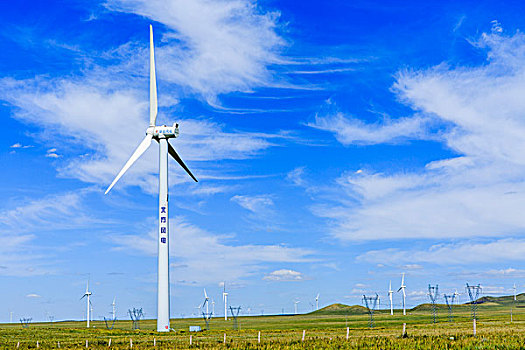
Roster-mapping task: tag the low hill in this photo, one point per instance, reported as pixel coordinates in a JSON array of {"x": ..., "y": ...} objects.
[
  {"x": 341, "y": 309},
  {"x": 503, "y": 300}
]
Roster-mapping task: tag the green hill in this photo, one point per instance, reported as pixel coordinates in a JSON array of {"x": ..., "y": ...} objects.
[{"x": 341, "y": 309}]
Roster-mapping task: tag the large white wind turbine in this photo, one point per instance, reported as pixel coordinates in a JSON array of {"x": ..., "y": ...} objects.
[
  {"x": 390, "y": 293},
  {"x": 86, "y": 295},
  {"x": 404, "y": 292},
  {"x": 317, "y": 302},
  {"x": 161, "y": 134}
]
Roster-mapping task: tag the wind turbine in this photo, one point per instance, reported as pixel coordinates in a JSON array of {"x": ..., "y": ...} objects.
[
  {"x": 514, "y": 291},
  {"x": 225, "y": 300},
  {"x": 161, "y": 134},
  {"x": 390, "y": 293},
  {"x": 317, "y": 302},
  {"x": 456, "y": 296},
  {"x": 206, "y": 302},
  {"x": 113, "y": 307},
  {"x": 295, "y": 305},
  {"x": 404, "y": 293},
  {"x": 213, "y": 307},
  {"x": 87, "y": 294}
]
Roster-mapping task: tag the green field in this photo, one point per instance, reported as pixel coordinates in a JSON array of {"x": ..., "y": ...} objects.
[{"x": 325, "y": 329}]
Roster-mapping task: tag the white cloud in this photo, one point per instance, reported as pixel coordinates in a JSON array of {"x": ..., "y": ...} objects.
[
  {"x": 254, "y": 204},
  {"x": 284, "y": 275},
  {"x": 451, "y": 254},
  {"x": 213, "y": 47},
  {"x": 350, "y": 130},
  {"x": 223, "y": 261},
  {"x": 479, "y": 111},
  {"x": 19, "y": 145},
  {"x": 296, "y": 176},
  {"x": 32, "y": 219},
  {"x": 33, "y": 296},
  {"x": 63, "y": 211}
]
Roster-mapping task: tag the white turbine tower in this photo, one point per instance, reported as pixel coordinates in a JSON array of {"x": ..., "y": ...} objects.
[
  {"x": 225, "y": 300},
  {"x": 404, "y": 293},
  {"x": 87, "y": 294},
  {"x": 514, "y": 291},
  {"x": 161, "y": 134},
  {"x": 317, "y": 302},
  {"x": 390, "y": 294}
]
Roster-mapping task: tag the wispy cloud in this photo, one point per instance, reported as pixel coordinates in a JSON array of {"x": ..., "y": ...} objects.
[
  {"x": 19, "y": 145},
  {"x": 284, "y": 275},
  {"x": 478, "y": 192},
  {"x": 223, "y": 260},
  {"x": 451, "y": 254},
  {"x": 352, "y": 131},
  {"x": 255, "y": 204},
  {"x": 213, "y": 47},
  {"x": 33, "y": 296}
]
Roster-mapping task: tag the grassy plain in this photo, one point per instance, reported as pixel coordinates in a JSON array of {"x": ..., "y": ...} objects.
[{"x": 325, "y": 329}]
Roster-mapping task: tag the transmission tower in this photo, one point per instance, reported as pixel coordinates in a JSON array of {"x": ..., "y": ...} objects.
[
  {"x": 110, "y": 323},
  {"x": 449, "y": 299},
  {"x": 235, "y": 313},
  {"x": 25, "y": 322},
  {"x": 433, "y": 295},
  {"x": 371, "y": 305},
  {"x": 207, "y": 318},
  {"x": 136, "y": 315},
  {"x": 473, "y": 293}
]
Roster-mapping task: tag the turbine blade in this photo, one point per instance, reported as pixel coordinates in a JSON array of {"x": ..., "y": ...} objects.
[
  {"x": 136, "y": 155},
  {"x": 175, "y": 156},
  {"x": 152, "y": 81}
]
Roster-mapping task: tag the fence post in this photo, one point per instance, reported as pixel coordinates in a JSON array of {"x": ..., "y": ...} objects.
[
  {"x": 191, "y": 339},
  {"x": 224, "y": 340},
  {"x": 87, "y": 344},
  {"x": 304, "y": 333},
  {"x": 130, "y": 343},
  {"x": 154, "y": 342},
  {"x": 259, "y": 337},
  {"x": 58, "y": 344},
  {"x": 347, "y": 332},
  {"x": 404, "y": 329},
  {"x": 37, "y": 344},
  {"x": 17, "y": 345},
  {"x": 109, "y": 344},
  {"x": 474, "y": 326}
]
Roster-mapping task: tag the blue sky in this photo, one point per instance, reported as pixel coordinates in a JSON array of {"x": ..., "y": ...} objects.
[{"x": 337, "y": 145}]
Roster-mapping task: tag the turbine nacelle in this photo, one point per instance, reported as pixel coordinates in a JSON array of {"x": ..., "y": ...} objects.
[{"x": 163, "y": 132}]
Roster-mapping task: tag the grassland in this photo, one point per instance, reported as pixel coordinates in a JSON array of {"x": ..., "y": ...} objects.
[{"x": 324, "y": 329}]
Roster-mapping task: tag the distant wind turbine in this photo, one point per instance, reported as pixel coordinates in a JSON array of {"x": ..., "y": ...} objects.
[
  {"x": 317, "y": 302},
  {"x": 295, "y": 305},
  {"x": 87, "y": 294},
  {"x": 225, "y": 300},
  {"x": 390, "y": 294},
  {"x": 402, "y": 288}
]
